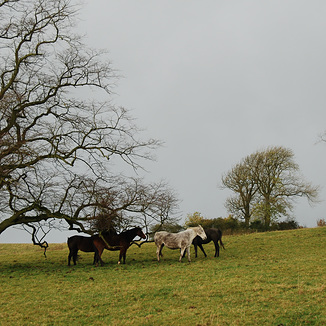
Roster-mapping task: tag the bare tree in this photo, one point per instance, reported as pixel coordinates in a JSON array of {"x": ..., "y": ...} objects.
[
  {"x": 133, "y": 202},
  {"x": 265, "y": 184},
  {"x": 241, "y": 181},
  {"x": 57, "y": 138},
  {"x": 279, "y": 183}
]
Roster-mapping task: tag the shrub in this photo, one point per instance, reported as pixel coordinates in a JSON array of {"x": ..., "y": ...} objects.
[
  {"x": 321, "y": 222},
  {"x": 288, "y": 225}
]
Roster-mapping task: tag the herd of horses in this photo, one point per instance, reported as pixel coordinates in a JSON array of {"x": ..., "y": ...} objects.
[{"x": 110, "y": 240}]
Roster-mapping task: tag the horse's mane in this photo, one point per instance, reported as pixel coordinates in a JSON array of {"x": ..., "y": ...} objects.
[
  {"x": 130, "y": 230},
  {"x": 114, "y": 232}
]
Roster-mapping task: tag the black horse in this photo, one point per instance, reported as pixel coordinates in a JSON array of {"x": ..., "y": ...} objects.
[
  {"x": 79, "y": 242},
  {"x": 114, "y": 241},
  {"x": 212, "y": 234},
  {"x": 105, "y": 240}
]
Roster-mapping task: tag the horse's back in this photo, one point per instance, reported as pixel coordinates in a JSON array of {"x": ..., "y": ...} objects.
[
  {"x": 79, "y": 242},
  {"x": 159, "y": 236},
  {"x": 166, "y": 235},
  {"x": 72, "y": 241},
  {"x": 174, "y": 240},
  {"x": 214, "y": 233}
]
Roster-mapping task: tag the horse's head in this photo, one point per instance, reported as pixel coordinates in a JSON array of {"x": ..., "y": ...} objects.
[
  {"x": 201, "y": 232},
  {"x": 140, "y": 233}
]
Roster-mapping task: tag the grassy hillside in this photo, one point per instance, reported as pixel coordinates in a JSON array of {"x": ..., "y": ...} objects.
[{"x": 260, "y": 279}]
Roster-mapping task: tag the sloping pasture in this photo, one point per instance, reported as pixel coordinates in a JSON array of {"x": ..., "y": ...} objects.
[{"x": 260, "y": 279}]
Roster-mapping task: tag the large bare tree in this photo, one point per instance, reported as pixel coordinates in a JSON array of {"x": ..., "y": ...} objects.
[
  {"x": 59, "y": 131},
  {"x": 265, "y": 185}
]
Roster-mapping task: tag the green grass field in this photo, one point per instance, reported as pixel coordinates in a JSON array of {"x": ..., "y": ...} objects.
[{"x": 260, "y": 279}]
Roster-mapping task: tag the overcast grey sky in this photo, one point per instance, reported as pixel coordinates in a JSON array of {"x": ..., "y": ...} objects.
[{"x": 216, "y": 81}]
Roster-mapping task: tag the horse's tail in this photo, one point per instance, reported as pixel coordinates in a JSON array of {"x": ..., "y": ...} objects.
[
  {"x": 73, "y": 248},
  {"x": 69, "y": 242},
  {"x": 220, "y": 238}
]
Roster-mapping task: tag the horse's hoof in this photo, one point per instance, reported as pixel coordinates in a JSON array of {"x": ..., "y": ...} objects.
[{"x": 119, "y": 263}]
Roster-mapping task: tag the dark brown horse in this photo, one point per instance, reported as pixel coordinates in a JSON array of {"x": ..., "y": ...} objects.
[
  {"x": 214, "y": 235},
  {"x": 112, "y": 241},
  {"x": 79, "y": 242}
]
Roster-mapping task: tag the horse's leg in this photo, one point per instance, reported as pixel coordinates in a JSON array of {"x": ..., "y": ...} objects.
[
  {"x": 195, "y": 246},
  {"x": 98, "y": 247},
  {"x": 95, "y": 261},
  {"x": 217, "y": 249},
  {"x": 202, "y": 249},
  {"x": 74, "y": 256},
  {"x": 159, "y": 251},
  {"x": 188, "y": 253},
  {"x": 98, "y": 255},
  {"x": 69, "y": 257},
  {"x": 162, "y": 245},
  {"x": 122, "y": 255},
  {"x": 182, "y": 251}
]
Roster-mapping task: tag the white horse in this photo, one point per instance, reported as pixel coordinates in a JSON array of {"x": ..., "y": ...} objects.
[{"x": 181, "y": 240}]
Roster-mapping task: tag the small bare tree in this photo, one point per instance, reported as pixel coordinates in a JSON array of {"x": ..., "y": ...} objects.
[
  {"x": 241, "y": 181},
  {"x": 133, "y": 202},
  {"x": 265, "y": 184}
]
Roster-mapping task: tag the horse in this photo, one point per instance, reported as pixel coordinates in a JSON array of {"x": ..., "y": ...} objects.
[
  {"x": 113, "y": 241},
  {"x": 214, "y": 235},
  {"x": 79, "y": 242},
  {"x": 181, "y": 240}
]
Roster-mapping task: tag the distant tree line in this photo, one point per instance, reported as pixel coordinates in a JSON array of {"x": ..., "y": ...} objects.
[
  {"x": 231, "y": 224},
  {"x": 228, "y": 225}
]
